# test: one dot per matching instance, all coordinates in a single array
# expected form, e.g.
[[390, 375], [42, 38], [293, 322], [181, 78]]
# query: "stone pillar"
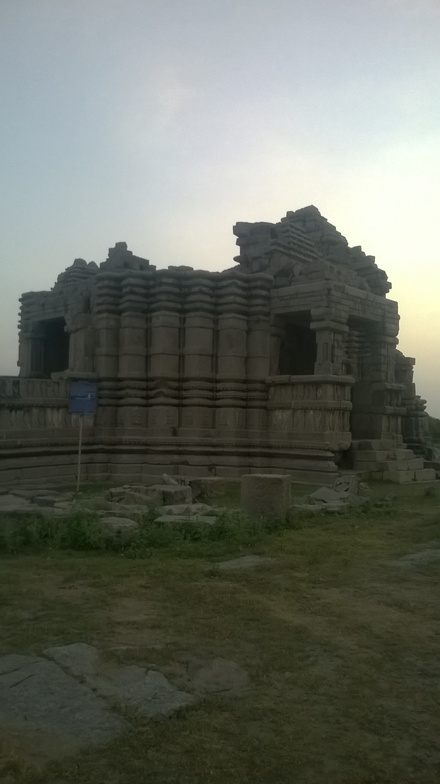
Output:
[[36, 358], [197, 390], [331, 335], [164, 358], [258, 352], [81, 343], [230, 415], [386, 394]]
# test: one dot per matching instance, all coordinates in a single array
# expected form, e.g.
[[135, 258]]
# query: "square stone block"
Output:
[[265, 495]]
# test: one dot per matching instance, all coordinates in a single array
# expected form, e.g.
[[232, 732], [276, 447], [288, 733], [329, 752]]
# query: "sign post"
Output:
[[83, 397]]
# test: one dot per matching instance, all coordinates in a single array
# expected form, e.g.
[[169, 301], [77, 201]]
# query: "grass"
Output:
[[340, 642]]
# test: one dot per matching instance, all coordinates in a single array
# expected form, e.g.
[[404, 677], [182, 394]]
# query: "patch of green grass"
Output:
[[339, 639], [79, 530]]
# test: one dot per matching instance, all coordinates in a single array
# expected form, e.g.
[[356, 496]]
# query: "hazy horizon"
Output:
[[164, 123]]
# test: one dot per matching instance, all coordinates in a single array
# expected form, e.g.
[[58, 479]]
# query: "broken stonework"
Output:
[[335, 499]]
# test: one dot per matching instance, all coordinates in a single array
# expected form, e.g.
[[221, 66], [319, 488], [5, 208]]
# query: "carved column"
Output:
[[106, 319], [258, 351], [164, 355], [230, 415], [197, 391], [132, 369]]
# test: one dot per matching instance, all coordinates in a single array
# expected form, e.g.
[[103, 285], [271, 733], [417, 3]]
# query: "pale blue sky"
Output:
[[163, 122]]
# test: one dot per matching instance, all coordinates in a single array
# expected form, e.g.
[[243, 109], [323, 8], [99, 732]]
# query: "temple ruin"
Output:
[[286, 363]]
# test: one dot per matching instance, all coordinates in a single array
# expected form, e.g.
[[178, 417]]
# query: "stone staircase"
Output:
[[376, 460]]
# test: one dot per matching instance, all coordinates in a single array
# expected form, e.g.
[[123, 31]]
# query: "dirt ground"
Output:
[[338, 635]]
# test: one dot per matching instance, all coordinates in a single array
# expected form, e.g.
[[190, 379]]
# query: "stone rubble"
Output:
[[120, 511], [347, 492]]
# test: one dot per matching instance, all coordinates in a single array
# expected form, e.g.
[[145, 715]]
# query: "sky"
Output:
[[164, 122]]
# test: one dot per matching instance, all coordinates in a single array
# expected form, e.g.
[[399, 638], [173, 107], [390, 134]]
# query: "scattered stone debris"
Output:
[[121, 509], [347, 492]]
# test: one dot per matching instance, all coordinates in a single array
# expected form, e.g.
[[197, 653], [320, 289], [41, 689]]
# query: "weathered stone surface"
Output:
[[130, 495], [12, 503], [244, 562], [195, 519], [207, 486], [148, 693], [326, 495], [265, 495], [168, 480], [36, 694], [184, 509], [171, 494], [121, 529], [422, 558]]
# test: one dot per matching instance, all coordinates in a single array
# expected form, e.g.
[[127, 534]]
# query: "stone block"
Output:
[[416, 464], [265, 495], [119, 529], [401, 454], [425, 475], [186, 520]]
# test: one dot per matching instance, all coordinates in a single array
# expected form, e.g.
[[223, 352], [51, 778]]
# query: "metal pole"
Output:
[[78, 476]]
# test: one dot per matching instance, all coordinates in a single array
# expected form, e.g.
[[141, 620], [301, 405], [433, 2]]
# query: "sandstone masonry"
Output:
[[286, 363]]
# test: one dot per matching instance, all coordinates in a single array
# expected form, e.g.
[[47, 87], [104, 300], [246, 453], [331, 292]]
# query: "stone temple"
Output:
[[286, 363]]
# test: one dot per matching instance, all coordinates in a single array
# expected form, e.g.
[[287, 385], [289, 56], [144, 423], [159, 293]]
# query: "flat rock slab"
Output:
[[10, 502], [37, 696], [244, 562], [422, 558], [211, 676], [149, 693], [187, 520], [185, 509], [45, 712]]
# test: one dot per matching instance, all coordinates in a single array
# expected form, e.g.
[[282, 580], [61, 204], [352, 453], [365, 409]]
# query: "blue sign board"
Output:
[[83, 397]]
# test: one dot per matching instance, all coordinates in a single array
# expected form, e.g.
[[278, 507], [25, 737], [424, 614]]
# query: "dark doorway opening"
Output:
[[297, 346], [55, 346]]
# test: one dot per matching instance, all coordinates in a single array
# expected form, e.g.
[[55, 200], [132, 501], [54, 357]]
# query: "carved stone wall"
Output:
[[283, 363]]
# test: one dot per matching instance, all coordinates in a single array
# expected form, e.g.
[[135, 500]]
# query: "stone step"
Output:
[[400, 477], [401, 454], [370, 455], [414, 464], [425, 475]]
